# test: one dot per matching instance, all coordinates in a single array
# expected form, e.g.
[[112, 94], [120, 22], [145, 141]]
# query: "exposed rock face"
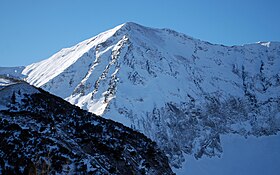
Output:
[[43, 134]]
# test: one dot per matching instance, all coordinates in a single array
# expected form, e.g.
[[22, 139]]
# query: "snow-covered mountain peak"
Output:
[[130, 25], [56, 64], [179, 91]]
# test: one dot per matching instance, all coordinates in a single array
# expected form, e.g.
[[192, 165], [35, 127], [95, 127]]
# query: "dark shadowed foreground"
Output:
[[43, 134]]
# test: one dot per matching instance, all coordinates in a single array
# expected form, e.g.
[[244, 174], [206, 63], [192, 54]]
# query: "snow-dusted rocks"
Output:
[[43, 134], [179, 91]]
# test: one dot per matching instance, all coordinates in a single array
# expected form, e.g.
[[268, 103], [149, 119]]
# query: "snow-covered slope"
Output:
[[179, 91]]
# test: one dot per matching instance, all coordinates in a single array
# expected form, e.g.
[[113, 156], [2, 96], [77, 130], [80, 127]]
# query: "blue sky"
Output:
[[31, 31]]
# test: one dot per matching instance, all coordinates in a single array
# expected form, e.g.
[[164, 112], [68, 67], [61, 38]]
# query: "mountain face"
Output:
[[179, 91], [43, 134]]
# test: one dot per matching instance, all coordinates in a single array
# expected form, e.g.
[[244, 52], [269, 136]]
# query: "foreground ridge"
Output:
[[43, 134]]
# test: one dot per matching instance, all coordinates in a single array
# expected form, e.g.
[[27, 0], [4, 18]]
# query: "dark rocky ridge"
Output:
[[43, 134]]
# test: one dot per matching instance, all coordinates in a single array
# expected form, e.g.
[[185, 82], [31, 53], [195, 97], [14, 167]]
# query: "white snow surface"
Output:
[[142, 61], [179, 91], [56, 64], [242, 156]]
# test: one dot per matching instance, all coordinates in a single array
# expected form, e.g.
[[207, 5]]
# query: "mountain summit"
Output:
[[179, 91]]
